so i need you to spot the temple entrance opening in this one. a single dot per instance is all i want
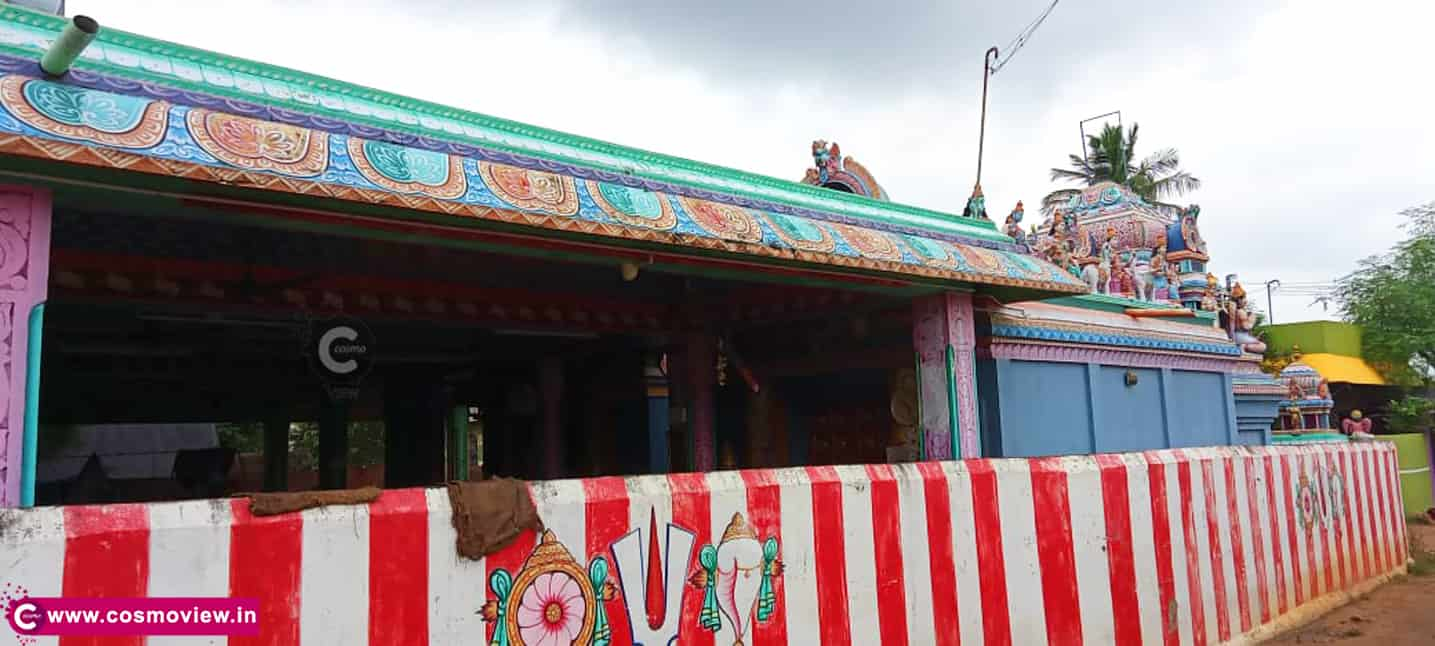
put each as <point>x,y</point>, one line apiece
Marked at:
<point>194,350</point>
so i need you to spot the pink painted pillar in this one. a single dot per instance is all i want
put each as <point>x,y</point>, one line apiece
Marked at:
<point>946,375</point>
<point>550,387</point>
<point>24,277</point>
<point>702,380</point>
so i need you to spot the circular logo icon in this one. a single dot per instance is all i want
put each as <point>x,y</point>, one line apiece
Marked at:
<point>341,352</point>
<point>25,616</point>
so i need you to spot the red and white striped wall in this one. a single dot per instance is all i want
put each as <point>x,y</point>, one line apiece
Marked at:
<point>1199,546</point>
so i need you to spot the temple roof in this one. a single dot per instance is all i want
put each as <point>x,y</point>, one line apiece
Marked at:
<point>1083,320</point>
<point>788,218</point>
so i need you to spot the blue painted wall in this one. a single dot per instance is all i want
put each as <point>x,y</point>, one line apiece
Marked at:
<point>1035,408</point>
<point>1200,410</point>
<point>1128,417</point>
<point>1254,416</point>
<point>1043,408</point>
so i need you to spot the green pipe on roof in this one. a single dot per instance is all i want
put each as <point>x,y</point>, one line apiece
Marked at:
<point>73,40</point>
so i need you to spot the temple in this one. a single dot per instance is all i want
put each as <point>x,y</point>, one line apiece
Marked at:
<point>199,239</point>
<point>559,390</point>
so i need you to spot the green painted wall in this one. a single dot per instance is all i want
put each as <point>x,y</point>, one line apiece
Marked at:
<point>1332,337</point>
<point>1414,471</point>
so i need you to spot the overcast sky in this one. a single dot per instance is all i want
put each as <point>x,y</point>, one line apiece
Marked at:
<point>1309,121</point>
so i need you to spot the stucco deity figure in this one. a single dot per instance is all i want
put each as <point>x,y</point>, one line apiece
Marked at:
<point>1294,420</point>
<point>1322,390</point>
<point>1107,261</point>
<point>1061,257</point>
<point>1173,282</point>
<point>1142,281</point>
<point>1210,299</point>
<point>827,158</point>
<point>1357,426</point>
<point>1243,321</point>
<point>1294,391</point>
<point>1068,222</point>
<point>1013,224</point>
<point>1160,287</point>
<point>976,205</point>
<point>1125,284</point>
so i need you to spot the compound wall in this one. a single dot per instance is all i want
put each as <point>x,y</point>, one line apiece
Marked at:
<point>1200,546</point>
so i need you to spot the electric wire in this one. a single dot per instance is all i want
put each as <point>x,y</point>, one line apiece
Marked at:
<point>1017,43</point>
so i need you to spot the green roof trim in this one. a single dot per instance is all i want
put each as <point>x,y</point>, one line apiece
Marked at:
<point>130,56</point>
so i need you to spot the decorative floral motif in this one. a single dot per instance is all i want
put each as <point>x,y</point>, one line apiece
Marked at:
<point>633,206</point>
<point>409,170</point>
<point>1306,502</point>
<point>983,260</point>
<point>531,189</point>
<point>723,220</point>
<point>870,243</point>
<point>932,252</point>
<point>551,611</point>
<point>88,115</point>
<point>260,145</point>
<point>14,248</point>
<point>1024,264</point>
<point>1335,493</point>
<point>801,233</point>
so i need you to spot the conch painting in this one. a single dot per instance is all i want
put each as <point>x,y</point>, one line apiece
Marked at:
<point>736,578</point>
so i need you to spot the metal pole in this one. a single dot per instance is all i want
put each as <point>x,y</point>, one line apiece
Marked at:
<point>1270,307</point>
<point>982,136</point>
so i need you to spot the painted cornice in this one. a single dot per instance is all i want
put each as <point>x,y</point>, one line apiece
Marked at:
<point>136,65</point>
<point>135,133</point>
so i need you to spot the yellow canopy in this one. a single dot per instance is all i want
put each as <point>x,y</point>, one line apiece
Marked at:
<point>1340,368</point>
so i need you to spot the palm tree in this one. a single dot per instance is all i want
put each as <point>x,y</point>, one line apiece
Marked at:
<point>1110,157</point>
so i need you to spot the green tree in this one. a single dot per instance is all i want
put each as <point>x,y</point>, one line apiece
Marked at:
<point>366,444</point>
<point>1111,157</point>
<point>1392,297</point>
<point>366,441</point>
<point>1412,414</point>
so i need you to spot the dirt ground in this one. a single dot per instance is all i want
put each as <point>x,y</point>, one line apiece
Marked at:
<point>1398,613</point>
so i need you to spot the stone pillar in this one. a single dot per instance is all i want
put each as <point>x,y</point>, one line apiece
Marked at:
<point>550,389</point>
<point>656,385</point>
<point>24,277</point>
<point>276,453</point>
<point>946,364</point>
<point>702,407</point>
<point>333,444</point>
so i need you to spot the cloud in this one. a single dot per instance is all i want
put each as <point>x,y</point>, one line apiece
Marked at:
<point>1307,120</point>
